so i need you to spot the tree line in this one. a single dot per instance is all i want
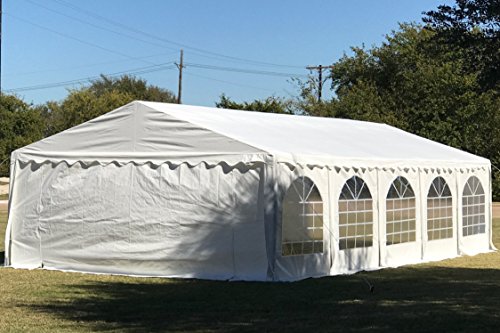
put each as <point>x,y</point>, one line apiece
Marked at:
<point>438,79</point>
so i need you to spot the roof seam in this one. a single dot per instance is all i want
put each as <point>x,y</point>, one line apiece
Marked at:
<point>209,129</point>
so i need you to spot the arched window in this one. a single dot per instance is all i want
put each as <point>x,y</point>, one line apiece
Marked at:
<point>355,215</point>
<point>439,210</point>
<point>400,212</point>
<point>302,221</point>
<point>473,206</point>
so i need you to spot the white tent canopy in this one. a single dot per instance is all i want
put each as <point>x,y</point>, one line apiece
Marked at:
<point>157,132</point>
<point>175,190</point>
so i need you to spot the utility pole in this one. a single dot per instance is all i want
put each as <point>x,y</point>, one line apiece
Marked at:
<point>1,14</point>
<point>320,69</point>
<point>180,66</point>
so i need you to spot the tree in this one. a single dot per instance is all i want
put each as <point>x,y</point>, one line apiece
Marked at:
<point>137,88</point>
<point>271,104</point>
<point>20,125</point>
<point>306,103</point>
<point>471,29</point>
<point>101,96</point>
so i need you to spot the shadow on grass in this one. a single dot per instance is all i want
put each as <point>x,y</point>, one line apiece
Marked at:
<point>405,299</point>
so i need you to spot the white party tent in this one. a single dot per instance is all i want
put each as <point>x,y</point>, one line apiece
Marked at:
<point>158,189</point>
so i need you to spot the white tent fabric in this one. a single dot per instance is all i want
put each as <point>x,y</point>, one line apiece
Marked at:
<point>157,132</point>
<point>160,189</point>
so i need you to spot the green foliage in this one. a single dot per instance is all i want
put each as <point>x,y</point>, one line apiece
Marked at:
<point>471,29</point>
<point>20,124</point>
<point>270,104</point>
<point>469,32</point>
<point>307,101</point>
<point>135,88</point>
<point>100,97</point>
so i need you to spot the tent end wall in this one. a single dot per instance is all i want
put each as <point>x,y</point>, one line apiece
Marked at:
<point>186,221</point>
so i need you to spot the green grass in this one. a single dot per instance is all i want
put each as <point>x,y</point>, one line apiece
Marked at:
<point>458,295</point>
<point>4,196</point>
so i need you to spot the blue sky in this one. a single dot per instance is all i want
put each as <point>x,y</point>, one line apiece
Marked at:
<point>54,41</point>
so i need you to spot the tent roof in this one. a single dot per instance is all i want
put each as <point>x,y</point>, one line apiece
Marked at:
<point>144,132</point>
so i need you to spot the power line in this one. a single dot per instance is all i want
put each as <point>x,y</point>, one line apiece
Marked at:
<point>77,39</point>
<point>229,82</point>
<point>129,36</point>
<point>244,70</point>
<point>137,71</point>
<point>98,26</point>
<point>143,33</point>
<point>159,67</point>
<point>88,65</point>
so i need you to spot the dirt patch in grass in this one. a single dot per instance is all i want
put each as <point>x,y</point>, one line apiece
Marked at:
<point>3,226</point>
<point>496,210</point>
<point>4,188</point>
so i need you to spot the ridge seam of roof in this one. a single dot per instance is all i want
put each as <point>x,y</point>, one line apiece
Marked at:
<point>208,129</point>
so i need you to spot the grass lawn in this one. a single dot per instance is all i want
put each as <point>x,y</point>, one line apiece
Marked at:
<point>462,294</point>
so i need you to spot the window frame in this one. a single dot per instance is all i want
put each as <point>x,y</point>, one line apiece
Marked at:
<point>437,219</point>
<point>406,207</point>
<point>355,193</point>
<point>475,203</point>
<point>310,211</point>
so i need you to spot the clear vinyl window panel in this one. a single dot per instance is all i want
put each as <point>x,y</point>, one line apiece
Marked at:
<point>355,215</point>
<point>473,208</point>
<point>439,210</point>
<point>400,213</point>
<point>302,220</point>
